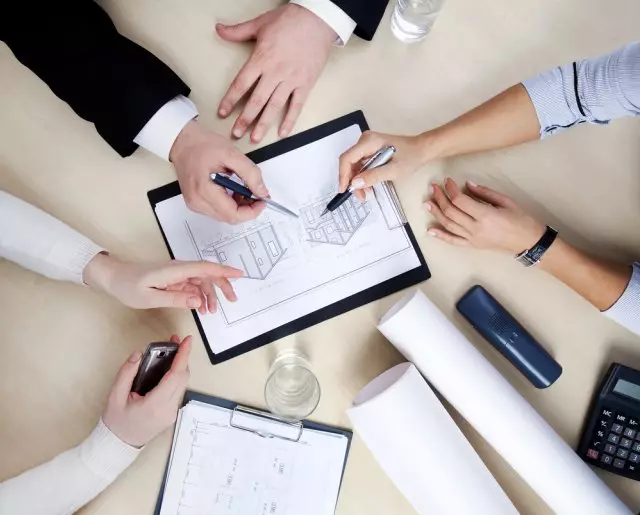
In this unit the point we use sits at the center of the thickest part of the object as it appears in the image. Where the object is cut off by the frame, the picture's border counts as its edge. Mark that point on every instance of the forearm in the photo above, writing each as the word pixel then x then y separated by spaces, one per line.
pixel 70 480
pixel 506 120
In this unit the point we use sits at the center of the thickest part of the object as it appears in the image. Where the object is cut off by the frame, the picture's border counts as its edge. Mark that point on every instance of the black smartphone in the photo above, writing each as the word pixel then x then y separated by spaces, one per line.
pixel 155 363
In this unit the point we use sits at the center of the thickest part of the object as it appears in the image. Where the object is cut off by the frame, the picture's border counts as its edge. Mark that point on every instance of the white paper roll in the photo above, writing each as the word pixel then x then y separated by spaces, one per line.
pixel 421 449
pixel 457 370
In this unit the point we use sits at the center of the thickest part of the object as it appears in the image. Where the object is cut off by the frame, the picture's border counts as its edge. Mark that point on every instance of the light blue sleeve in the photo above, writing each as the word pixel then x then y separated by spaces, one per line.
pixel 626 311
pixel 592 90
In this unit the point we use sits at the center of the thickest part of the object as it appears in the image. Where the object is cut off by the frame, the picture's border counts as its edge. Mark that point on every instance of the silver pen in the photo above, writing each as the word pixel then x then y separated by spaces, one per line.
pixel 380 158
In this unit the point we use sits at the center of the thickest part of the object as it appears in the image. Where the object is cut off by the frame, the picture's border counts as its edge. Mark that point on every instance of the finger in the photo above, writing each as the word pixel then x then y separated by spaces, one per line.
pixel 174 299
pixel 276 103
pixel 176 379
pixel 445 221
pixel 296 104
pixel 176 272
pixel 212 200
pixel 243 82
pixel 124 378
pixel 368 145
pixel 370 178
pixel 210 295
pixel 464 202
pixel 491 196
pixel 175 339
pixel 247 171
pixel 448 237
pixel 227 289
pixel 248 213
pixel 254 106
pixel 239 32
pixel 449 210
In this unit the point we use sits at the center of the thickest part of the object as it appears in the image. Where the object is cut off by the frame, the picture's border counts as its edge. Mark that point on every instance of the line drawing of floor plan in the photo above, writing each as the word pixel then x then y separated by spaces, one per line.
pixel 336 227
pixel 256 251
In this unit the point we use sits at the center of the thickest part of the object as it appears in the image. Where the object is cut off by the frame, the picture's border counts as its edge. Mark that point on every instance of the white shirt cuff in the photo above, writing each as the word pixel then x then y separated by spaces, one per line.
pixel 626 311
pixel 159 134
pixel 332 15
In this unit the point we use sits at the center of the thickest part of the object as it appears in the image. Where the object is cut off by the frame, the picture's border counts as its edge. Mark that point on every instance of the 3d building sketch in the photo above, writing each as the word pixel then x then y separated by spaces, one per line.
pixel 336 227
pixel 256 252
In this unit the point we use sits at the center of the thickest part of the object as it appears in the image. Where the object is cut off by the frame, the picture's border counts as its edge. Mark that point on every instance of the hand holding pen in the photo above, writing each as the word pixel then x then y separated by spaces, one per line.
pixel 409 157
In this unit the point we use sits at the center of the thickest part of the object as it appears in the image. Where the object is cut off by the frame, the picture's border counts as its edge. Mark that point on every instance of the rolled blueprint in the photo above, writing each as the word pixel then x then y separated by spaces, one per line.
pixel 421 449
pixel 457 370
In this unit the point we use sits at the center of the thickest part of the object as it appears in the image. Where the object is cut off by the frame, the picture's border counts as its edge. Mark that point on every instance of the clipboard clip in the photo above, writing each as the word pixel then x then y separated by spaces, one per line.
pixel 294 426
pixel 389 203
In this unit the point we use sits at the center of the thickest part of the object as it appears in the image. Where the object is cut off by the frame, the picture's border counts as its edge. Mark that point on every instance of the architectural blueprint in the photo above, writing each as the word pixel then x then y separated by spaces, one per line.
pixel 293 266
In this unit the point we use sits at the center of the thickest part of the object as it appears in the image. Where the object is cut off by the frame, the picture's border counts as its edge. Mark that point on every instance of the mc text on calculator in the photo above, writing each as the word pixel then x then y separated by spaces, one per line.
pixel 611 439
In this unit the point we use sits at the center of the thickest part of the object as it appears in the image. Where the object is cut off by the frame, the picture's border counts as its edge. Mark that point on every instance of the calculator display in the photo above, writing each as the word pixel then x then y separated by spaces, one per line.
pixel 627 389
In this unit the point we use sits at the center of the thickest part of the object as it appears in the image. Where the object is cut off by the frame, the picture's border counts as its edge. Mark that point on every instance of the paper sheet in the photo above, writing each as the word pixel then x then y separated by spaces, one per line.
pixel 216 469
pixel 457 370
pixel 293 267
pixel 421 449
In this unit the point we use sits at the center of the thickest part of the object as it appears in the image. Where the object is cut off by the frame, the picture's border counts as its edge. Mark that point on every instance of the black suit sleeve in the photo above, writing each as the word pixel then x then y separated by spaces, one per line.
pixel 73 46
pixel 366 13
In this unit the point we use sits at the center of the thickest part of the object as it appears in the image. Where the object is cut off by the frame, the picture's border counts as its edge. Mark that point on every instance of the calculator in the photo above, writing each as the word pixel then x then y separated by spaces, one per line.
pixel 611 439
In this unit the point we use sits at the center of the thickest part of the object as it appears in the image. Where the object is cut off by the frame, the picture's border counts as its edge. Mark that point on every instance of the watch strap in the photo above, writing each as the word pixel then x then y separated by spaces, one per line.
pixel 533 255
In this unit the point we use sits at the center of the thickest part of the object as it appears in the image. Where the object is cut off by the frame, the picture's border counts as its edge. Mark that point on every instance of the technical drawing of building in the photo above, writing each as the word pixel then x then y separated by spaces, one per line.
pixel 256 252
pixel 336 227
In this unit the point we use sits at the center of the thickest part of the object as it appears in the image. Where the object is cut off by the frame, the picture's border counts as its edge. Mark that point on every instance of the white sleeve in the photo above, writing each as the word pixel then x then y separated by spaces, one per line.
pixel 332 15
pixel 626 311
pixel 70 480
pixel 36 240
pixel 159 134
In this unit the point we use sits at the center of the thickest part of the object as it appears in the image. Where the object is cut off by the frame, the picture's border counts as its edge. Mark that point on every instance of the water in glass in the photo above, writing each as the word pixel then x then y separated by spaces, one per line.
pixel 412 19
pixel 292 389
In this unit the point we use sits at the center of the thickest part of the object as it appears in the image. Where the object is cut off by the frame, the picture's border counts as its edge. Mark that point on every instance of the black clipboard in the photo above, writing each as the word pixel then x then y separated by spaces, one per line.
pixel 388 287
pixel 230 405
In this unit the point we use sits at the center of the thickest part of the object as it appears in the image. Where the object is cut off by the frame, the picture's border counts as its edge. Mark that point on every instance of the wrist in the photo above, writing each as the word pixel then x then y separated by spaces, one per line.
pixel 99 272
pixel 431 146
pixel 184 139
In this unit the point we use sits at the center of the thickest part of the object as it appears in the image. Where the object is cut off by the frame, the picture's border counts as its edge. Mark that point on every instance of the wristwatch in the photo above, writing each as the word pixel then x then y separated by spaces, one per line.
pixel 532 256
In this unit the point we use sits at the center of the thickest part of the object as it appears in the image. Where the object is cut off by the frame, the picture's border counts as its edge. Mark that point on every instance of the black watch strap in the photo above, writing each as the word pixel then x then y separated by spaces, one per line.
pixel 531 256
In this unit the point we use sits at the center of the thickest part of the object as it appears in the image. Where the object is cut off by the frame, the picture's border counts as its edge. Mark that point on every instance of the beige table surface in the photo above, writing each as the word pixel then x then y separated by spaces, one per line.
pixel 62 344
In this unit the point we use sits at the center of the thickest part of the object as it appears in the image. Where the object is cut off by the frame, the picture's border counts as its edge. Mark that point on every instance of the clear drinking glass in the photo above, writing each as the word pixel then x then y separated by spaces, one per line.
pixel 292 390
pixel 412 19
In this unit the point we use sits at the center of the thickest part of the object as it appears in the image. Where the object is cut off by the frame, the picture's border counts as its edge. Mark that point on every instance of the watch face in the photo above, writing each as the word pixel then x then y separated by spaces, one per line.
pixel 524 259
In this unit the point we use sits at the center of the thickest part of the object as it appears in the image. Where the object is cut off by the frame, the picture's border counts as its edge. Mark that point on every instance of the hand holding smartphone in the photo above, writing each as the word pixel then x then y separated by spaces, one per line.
pixel 155 363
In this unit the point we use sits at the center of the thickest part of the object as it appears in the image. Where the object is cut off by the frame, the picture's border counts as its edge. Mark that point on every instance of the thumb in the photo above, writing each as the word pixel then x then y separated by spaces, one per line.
pixel 240 32
pixel 124 379
pixel 372 177
pixel 174 299
pixel 490 196
pixel 248 172
pixel 368 145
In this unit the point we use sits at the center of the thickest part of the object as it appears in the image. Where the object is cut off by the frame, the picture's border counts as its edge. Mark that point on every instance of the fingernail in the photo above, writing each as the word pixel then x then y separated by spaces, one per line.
pixel 193 302
pixel 433 187
pixel 472 184
pixel 431 233
pixel 135 356
pixel 284 133
pixel 237 133
pixel 222 112
pixel 358 183
pixel 427 206
pixel 262 190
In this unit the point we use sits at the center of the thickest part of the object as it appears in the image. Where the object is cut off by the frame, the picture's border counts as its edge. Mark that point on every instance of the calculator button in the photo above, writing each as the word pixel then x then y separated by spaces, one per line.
pixel 603 424
pixel 610 449
pixel 634 458
pixel 638 436
pixel 621 418
pixel 636 447
pixel 633 423
pixel 593 454
pixel 617 429
pixel 626 443
pixel 619 464
pixel 606 459
pixel 629 433
pixel 607 413
pixel 622 453
pixel 614 439
pixel 599 435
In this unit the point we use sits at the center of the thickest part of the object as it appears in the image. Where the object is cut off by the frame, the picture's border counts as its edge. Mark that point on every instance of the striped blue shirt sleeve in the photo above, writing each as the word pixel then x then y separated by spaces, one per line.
pixel 592 90
pixel 626 311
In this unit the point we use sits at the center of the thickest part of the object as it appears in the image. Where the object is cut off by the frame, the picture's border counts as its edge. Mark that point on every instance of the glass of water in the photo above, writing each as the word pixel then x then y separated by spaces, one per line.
pixel 292 389
pixel 412 19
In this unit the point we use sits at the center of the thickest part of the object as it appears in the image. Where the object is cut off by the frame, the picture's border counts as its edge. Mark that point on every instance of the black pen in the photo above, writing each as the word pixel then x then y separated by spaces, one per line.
pixel 227 182
pixel 380 158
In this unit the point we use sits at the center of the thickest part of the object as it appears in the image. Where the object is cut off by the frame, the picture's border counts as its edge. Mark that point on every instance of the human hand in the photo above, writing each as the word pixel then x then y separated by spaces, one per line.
pixel 409 156
pixel 174 284
pixel 196 154
pixel 137 419
pixel 292 47
pixel 485 219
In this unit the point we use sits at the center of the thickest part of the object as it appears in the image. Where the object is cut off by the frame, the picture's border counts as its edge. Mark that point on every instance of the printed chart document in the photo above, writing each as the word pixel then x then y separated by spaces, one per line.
pixel 293 267
pixel 216 469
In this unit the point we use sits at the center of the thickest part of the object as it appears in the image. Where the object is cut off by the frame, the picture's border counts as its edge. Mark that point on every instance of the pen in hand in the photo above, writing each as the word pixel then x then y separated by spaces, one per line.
pixel 380 158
